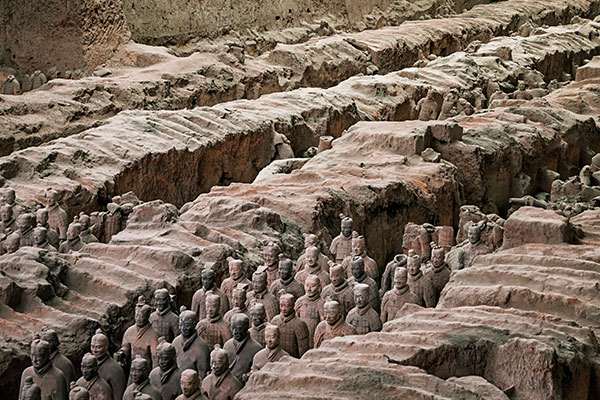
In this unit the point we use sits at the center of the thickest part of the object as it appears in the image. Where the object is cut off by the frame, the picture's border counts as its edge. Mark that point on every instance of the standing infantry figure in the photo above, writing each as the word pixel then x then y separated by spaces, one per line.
pixel 40 239
pixel 312 240
pixel 51 380
pixel 192 351
pixel 57 217
pixel 92 381
pixel 334 324
pixel 475 247
pixel 259 294
pixel 339 289
pixel 140 338
pixel 139 374
pixel 439 273
pixel 190 386
pixel 419 284
pixel 41 217
pixel 240 303
pixel 272 351
pixel 427 107
pixel 359 275
pixel 208 285
pixel 312 267
pixel 108 368
pixel 286 281
pixel 259 321
pixel 294 332
pixel 309 308
pixel 394 299
pixel 213 329
pixel 237 275
pixel 220 384
pixel 73 242
pixel 341 246
pixel 26 223
pixel 166 377
pixel 164 321
pixel 270 255
pixel 58 360
pixel 241 348
pixel 362 317
pixel 359 250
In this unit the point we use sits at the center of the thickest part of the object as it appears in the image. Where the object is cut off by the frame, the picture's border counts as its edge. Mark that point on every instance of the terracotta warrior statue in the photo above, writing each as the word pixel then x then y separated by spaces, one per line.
pixel 294 332
pixel 12 242
pixel 140 338
pixel 309 308
pixel 240 303
pixel 108 368
pixel 26 223
pixel 259 321
pixel 419 284
pixel 166 377
pixel 40 239
pixel 220 384
pixel 341 246
pixel 58 360
pixel 86 235
pixel 259 294
pixel 241 348
pixel 271 266
pixel 334 325
pixel 475 247
pixel 427 107
pixel 139 375
pixel 387 279
pixel 8 224
pixel 312 267
pixel 9 197
pixel 192 351
pixel 208 285
pixel 31 391
pixel 57 217
pixel 41 216
pixel 359 250
pixel 362 317
pixel 51 380
pixel 339 289
pixel 438 271
pixel 164 321
pixel 272 351
pixel 11 86
pixel 92 381
pixel 237 275
pixel 73 242
pixel 286 282
pixel 394 299
pixel 311 240
pixel 359 275
pixel 190 386
pixel 37 80
pixel 213 329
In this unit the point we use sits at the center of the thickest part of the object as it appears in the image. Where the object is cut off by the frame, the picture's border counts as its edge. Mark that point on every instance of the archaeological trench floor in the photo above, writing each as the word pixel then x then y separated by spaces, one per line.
pixel 203 135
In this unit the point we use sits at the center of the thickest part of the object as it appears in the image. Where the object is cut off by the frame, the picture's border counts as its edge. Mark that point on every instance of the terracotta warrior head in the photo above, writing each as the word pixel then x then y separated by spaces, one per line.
pixel 258 314
pixel 73 231
pixel 400 277
pixel 6 213
pixel 361 295
pixel 357 266
pixel 332 311
pixel 89 367
pixel 190 382
pixel 187 322
pixel 209 279
pixel 413 264
pixel 358 244
pixel 259 281
pixel 474 232
pixel 272 336
pixel 142 313
pixel 346 226
pixel 310 239
pixel 312 256
pixel 40 235
pixel 337 275
pixel 240 323
pixel 167 356
pixel 213 306
pixel 219 361
pixel 162 299
pixel 31 391
pixel 437 255
pixel 99 345
pixel 312 286
pixel 140 369
pixel 287 303
pixel 286 268
pixel 40 353
pixel 236 269
pixel 238 297
pixel 270 254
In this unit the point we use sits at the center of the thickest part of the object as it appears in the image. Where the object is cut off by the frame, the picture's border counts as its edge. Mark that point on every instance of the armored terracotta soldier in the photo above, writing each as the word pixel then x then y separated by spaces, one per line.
pixel 208 285
pixel 439 273
pixel 58 360
pixel 362 317
pixel 357 267
pixel 312 267
pixel 50 379
pixel 164 321
pixel 108 368
pixel 9 197
pixel 294 332
pixel 26 224
pixel 140 338
pixel 57 217
pixel 38 79
pixel 166 377
pixel 92 381
pixel 241 348
pixel 419 284
pixel 359 250
pixel 78 393
pixel 272 351
pixel 192 351
pixel 12 242
pixel 213 329
pixel 40 239
pixel 139 375
pixel 190 386
pixel 418 238
pixel 271 266
pixel 11 86
pixel 259 294
pixel 258 316
pixel 286 281
pixel 341 246
pixel 339 289
pixel 8 224
pixel 334 324
pixel 449 105
pixel 475 247
pixel 73 242
pixel 237 275
pixel 41 216
pixel 86 235
pixel 427 107
pixel 400 295
pixel 311 240
pixel 387 279
pixel 309 308
pixel 240 303
pixel 220 384
pixel 31 391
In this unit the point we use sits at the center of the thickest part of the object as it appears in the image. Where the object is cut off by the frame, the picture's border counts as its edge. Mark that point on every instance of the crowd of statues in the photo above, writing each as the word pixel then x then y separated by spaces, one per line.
pixel 25 83
pixel 212 346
